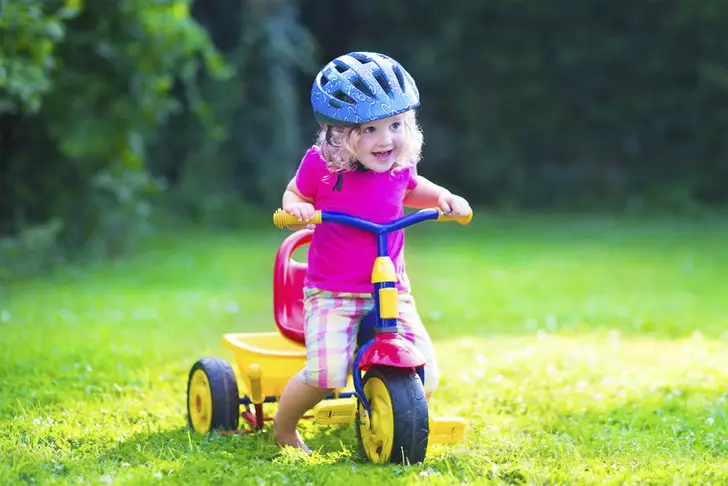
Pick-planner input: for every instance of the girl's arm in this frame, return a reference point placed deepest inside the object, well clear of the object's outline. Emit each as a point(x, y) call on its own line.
point(293, 195)
point(295, 203)
point(424, 195)
point(427, 194)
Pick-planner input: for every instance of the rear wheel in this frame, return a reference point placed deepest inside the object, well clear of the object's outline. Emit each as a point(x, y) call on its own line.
point(398, 429)
point(212, 396)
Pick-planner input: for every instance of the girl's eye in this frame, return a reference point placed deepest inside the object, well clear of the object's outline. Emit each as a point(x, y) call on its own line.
point(396, 125)
point(369, 130)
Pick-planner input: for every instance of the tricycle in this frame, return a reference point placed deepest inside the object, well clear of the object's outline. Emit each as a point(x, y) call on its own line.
point(384, 397)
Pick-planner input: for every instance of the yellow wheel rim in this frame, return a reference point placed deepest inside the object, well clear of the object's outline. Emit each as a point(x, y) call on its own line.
point(200, 402)
point(377, 439)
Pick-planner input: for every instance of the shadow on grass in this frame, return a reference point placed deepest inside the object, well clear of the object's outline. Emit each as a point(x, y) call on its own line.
point(231, 457)
point(184, 443)
point(655, 432)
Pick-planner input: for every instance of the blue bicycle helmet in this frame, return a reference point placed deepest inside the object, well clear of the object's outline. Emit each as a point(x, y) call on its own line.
point(361, 87)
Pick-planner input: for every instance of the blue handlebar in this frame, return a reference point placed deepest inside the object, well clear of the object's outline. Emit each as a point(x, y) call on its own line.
point(282, 219)
point(376, 228)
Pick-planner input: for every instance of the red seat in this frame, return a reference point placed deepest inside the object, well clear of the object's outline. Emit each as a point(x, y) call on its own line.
point(288, 277)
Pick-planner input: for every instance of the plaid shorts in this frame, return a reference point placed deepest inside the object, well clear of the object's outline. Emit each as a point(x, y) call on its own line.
point(331, 325)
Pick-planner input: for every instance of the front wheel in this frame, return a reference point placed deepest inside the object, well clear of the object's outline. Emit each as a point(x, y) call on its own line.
point(398, 428)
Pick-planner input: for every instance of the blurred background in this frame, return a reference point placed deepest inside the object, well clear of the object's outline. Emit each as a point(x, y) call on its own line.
point(119, 117)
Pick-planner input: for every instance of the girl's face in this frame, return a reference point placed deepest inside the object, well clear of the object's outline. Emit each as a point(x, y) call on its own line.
point(381, 142)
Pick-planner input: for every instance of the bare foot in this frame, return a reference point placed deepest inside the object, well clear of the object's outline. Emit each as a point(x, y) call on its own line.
point(290, 440)
point(294, 441)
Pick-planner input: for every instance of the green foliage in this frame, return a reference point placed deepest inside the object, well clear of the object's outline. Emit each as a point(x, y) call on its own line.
point(257, 133)
point(88, 88)
point(579, 351)
point(32, 250)
point(30, 34)
point(557, 104)
point(201, 108)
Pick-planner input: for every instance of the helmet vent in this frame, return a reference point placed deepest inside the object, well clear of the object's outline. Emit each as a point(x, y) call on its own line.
point(400, 77)
point(362, 58)
point(324, 80)
point(359, 84)
point(341, 96)
point(340, 66)
point(379, 76)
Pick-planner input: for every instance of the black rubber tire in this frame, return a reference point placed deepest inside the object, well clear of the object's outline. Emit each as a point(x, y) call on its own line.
point(223, 390)
point(409, 410)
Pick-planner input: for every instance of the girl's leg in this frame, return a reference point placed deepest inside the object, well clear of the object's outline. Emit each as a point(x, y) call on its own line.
point(297, 398)
point(330, 327)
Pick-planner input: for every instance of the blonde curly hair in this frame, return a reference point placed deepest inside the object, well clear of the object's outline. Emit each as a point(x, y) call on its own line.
point(338, 145)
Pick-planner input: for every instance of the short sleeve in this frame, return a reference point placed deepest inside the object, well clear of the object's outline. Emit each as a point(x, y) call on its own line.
point(412, 182)
point(311, 171)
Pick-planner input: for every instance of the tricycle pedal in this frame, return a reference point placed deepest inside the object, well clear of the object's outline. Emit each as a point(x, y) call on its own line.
point(446, 430)
point(339, 411)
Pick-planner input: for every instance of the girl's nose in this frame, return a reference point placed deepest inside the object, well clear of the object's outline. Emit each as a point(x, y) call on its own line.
point(385, 138)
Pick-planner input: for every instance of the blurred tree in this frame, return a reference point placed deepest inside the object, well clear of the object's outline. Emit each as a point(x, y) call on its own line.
point(547, 104)
point(258, 135)
point(83, 88)
point(554, 104)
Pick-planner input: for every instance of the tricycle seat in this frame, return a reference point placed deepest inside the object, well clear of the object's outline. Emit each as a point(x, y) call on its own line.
point(288, 278)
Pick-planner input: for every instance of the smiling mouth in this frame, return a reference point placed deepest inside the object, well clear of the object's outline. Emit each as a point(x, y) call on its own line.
point(383, 155)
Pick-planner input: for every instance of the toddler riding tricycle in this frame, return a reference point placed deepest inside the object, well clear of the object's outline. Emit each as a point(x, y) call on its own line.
point(387, 403)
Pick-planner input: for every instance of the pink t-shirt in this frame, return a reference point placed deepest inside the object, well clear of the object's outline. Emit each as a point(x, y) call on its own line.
point(340, 257)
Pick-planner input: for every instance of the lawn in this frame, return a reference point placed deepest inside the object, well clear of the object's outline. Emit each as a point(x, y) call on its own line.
point(581, 350)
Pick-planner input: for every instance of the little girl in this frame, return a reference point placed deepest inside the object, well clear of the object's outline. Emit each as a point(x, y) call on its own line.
point(363, 164)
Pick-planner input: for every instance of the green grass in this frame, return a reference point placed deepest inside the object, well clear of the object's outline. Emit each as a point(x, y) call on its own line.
point(580, 351)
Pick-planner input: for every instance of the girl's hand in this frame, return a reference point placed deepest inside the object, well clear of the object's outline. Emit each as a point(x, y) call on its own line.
point(455, 205)
point(303, 211)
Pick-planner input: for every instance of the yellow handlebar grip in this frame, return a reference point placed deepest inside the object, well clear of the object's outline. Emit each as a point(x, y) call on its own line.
point(282, 219)
point(460, 219)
